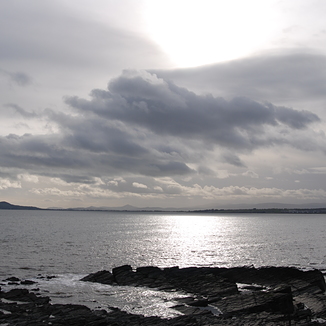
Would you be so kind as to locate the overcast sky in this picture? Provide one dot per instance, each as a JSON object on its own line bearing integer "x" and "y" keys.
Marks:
{"x": 179, "y": 103}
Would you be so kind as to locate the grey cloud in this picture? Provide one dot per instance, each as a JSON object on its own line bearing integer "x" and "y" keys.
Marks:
{"x": 283, "y": 76}
{"x": 204, "y": 170}
{"x": 81, "y": 179}
{"x": 293, "y": 118}
{"x": 165, "y": 109}
{"x": 143, "y": 125}
{"x": 18, "y": 77}
{"x": 135, "y": 86}
{"x": 166, "y": 168}
{"x": 39, "y": 32}
{"x": 233, "y": 159}
{"x": 85, "y": 145}
{"x": 22, "y": 111}
{"x": 96, "y": 136}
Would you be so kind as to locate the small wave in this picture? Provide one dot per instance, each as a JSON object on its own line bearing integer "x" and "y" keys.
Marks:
{"x": 28, "y": 268}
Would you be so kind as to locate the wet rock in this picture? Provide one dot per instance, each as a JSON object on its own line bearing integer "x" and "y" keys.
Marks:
{"x": 273, "y": 276}
{"x": 194, "y": 302}
{"x": 12, "y": 279}
{"x": 13, "y": 283}
{"x": 275, "y": 291}
{"x": 32, "y": 313}
{"x": 255, "y": 302}
{"x": 27, "y": 282}
{"x": 193, "y": 280}
{"x": 23, "y": 295}
{"x": 121, "y": 269}
{"x": 104, "y": 277}
{"x": 149, "y": 271}
{"x": 123, "y": 275}
{"x": 200, "y": 281}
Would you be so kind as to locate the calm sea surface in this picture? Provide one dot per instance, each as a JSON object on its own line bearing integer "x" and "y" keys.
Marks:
{"x": 70, "y": 245}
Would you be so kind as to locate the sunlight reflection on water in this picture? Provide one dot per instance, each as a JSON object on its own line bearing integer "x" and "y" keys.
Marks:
{"x": 72, "y": 244}
{"x": 57, "y": 242}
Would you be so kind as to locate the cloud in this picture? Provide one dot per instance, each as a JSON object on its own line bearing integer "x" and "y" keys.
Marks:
{"x": 169, "y": 190}
{"x": 29, "y": 178}
{"x": 294, "y": 118}
{"x": 162, "y": 108}
{"x": 24, "y": 113}
{"x": 251, "y": 174}
{"x": 55, "y": 35}
{"x": 139, "y": 185}
{"x": 18, "y": 77}
{"x": 7, "y": 183}
{"x": 283, "y": 76}
{"x": 233, "y": 159}
{"x": 146, "y": 127}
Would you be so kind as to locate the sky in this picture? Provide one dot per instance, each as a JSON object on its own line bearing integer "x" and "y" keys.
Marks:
{"x": 161, "y": 103}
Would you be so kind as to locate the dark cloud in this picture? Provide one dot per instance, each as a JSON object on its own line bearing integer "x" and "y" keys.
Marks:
{"x": 86, "y": 146}
{"x": 293, "y": 118}
{"x": 161, "y": 107}
{"x": 82, "y": 179}
{"x": 144, "y": 125}
{"x": 233, "y": 159}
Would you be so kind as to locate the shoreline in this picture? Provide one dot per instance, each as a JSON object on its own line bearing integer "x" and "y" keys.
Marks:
{"x": 240, "y": 295}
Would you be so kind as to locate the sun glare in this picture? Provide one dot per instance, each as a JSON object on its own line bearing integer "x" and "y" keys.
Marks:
{"x": 194, "y": 33}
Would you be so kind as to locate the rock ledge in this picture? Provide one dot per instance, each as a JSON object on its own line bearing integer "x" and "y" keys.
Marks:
{"x": 241, "y": 296}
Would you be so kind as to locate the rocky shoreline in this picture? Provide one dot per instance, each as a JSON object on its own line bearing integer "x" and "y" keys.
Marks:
{"x": 215, "y": 296}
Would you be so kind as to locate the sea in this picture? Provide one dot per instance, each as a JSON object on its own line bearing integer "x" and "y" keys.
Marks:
{"x": 57, "y": 248}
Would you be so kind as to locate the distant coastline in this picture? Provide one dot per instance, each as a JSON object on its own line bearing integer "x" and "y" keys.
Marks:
{"x": 6, "y": 205}
{"x": 322, "y": 210}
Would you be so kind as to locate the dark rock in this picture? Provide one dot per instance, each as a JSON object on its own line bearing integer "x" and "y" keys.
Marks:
{"x": 36, "y": 314}
{"x": 201, "y": 281}
{"x": 256, "y": 302}
{"x": 104, "y": 277}
{"x": 123, "y": 275}
{"x": 217, "y": 287}
{"x": 12, "y": 279}
{"x": 27, "y": 282}
{"x": 121, "y": 269}
{"x": 193, "y": 280}
{"x": 273, "y": 276}
{"x": 194, "y": 302}
{"x": 14, "y": 293}
{"x": 252, "y": 287}
{"x": 23, "y": 295}
{"x": 149, "y": 271}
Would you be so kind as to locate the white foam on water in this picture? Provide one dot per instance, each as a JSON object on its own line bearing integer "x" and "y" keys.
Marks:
{"x": 68, "y": 289}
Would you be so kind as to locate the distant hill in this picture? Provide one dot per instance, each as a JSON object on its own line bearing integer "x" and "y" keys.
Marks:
{"x": 5, "y": 205}
{"x": 275, "y": 205}
{"x": 124, "y": 208}
{"x": 129, "y": 208}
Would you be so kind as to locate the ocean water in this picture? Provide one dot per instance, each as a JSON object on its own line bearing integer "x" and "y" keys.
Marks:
{"x": 70, "y": 245}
